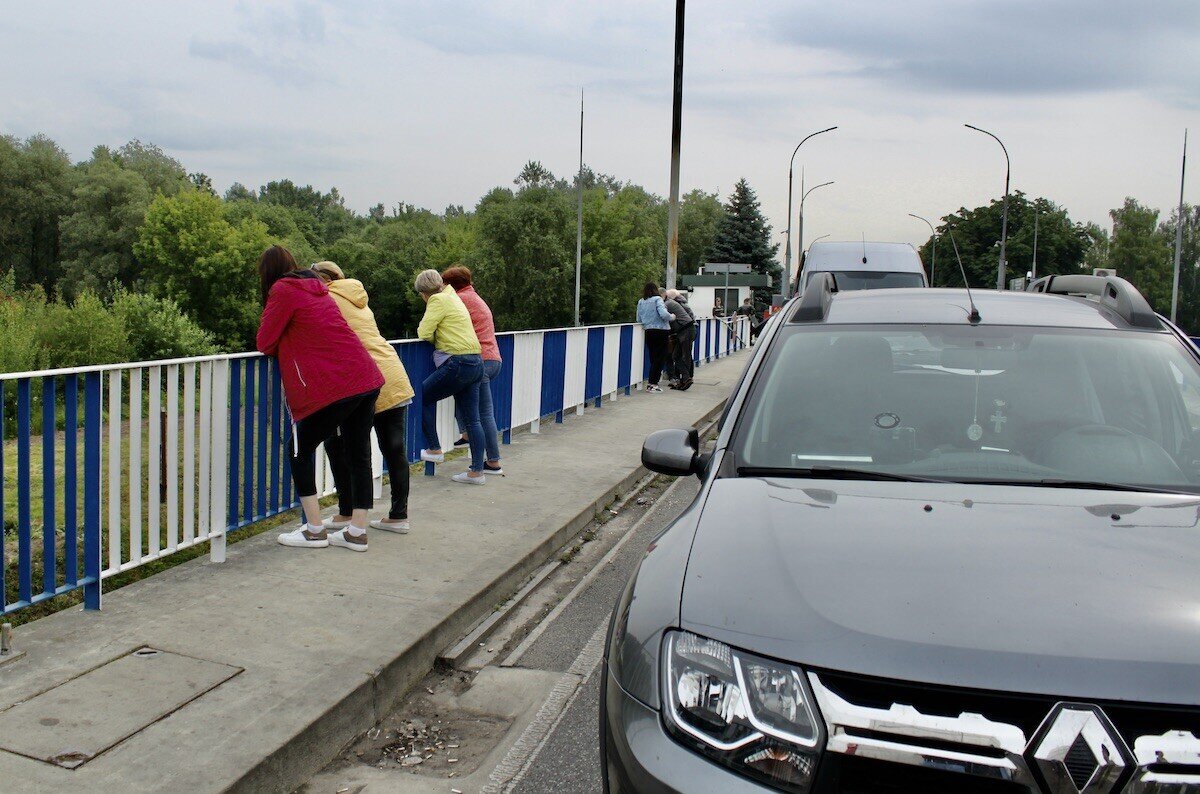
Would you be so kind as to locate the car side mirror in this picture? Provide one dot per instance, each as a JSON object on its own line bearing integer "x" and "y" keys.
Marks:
{"x": 674, "y": 452}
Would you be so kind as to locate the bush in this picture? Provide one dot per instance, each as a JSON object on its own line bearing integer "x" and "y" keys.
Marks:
{"x": 82, "y": 333}
{"x": 157, "y": 328}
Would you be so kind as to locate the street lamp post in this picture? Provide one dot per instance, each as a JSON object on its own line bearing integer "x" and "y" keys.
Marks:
{"x": 800, "y": 230}
{"x": 933, "y": 247}
{"x": 1004, "y": 218}
{"x": 785, "y": 288}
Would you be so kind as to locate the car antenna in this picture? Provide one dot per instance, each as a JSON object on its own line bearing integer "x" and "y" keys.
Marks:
{"x": 973, "y": 317}
{"x": 864, "y": 239}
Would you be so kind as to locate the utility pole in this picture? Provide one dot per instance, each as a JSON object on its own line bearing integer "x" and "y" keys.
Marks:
{"x": 1179, "y": 231}
{"x": 579, "y": 216}
{"x": 676, "y": 122}
{"x": 800, "y": 231}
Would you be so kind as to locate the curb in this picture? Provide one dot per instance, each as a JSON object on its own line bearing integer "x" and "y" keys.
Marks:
{"x": 309, "y": 751}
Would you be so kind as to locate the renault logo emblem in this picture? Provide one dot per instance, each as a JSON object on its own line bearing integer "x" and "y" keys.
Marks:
{"x": 1077, "y": 751}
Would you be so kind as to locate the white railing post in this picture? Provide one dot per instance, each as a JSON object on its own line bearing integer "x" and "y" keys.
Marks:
{"x": 219, "y": 481}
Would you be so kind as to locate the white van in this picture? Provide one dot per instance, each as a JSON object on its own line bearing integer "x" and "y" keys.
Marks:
{"x": 864, "y": 265}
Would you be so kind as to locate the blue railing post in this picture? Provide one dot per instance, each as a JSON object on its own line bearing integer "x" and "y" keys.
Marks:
{"x": 70, "y": 480}
{"x": 91, "y": 491}
{"x": 49, "y": 508}
{"x": 235, "y": 405}
{"x": 24, "y": 522}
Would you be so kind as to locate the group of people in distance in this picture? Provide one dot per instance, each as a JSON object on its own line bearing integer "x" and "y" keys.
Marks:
{"x": 670, "y": 330}
{"x": 341, "y": 378}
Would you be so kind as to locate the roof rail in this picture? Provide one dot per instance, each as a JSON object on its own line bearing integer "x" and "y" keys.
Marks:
{"x": 815, "y": 300}
{"x": 1113, "y": 292}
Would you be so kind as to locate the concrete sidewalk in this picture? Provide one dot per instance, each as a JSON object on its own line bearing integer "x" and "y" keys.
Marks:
{"x": 308, "y": 648}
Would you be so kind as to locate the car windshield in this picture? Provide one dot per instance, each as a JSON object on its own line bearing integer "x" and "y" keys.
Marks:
{"x": 1057, "y": 407}
{"x": 867, "y": 279}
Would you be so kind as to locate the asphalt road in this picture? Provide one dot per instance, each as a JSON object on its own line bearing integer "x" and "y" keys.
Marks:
{"x": 568, "y": 758}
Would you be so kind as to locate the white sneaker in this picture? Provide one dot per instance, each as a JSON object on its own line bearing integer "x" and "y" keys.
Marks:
{"x": 344, "y": 539}
{"x": 330, "y": 524}
{"x": 653, "y": 389}
{"x": 302, "y": 538}
{"x": 465, "y": 477}
{"x": 400, "y": 528}
{"x": 429, "y": 457}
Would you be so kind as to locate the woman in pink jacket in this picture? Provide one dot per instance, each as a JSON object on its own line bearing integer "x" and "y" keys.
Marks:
{"x": 459, "y": 277}
{"x": 330, "y": 383}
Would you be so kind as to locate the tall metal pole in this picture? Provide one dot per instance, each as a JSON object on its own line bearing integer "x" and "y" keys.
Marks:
{"x": 933, "y": 245}
{"x": 1000, "y": 274}
{"x": 1179, "y": 231}
{"x": 785, "y": 287}
{"x": 676, "y": 120}
{"x": 800, "y": 232}
{"x": 1036, "y": 216}
{"x": 579, "y": 215}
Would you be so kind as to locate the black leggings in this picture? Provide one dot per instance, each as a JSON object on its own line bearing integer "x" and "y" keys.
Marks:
{"x": 351, "y": 419}
{"x": 656, "y": 345}
{"x": 390, "y": 427}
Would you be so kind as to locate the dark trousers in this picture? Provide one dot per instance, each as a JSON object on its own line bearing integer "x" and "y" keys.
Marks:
{"x": 390, "y": 426}
{"x": 487, "y": 413}
{"x": 351, "y": 420}
{"x": 656, "y": 347}
{"x": 684, "y": 365}
{"x": 456, "y": 378}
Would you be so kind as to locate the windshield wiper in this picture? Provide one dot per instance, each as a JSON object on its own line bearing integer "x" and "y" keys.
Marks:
{"x": 1100, "y": 485}
{"x": 830, "y": 473}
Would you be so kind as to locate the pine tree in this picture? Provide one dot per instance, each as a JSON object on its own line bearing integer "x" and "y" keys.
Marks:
{"x": 744, "y": 236}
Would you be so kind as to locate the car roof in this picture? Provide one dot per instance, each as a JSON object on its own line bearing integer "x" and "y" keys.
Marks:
{"x": 951, "y": 306}
{"x": 881, "y": 257}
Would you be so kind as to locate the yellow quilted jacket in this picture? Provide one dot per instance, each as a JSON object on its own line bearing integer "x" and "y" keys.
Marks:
{"x": 351, "y": 298}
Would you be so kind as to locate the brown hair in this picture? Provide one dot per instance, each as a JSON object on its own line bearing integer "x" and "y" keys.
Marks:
{"x": 650, "y": 290}
{"x": 457, "y": 276}
{"x": 275, "y": 262}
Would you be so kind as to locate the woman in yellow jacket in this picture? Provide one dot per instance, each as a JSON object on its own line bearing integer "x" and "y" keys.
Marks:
{"x": 391, "y": 407}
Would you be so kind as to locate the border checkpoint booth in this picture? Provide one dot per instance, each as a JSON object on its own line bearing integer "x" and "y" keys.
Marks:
{"x": 732, "y": 282}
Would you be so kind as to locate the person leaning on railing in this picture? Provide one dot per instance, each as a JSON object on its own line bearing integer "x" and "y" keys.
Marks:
{"x": 458, "y": 369}
{"x": 656, "y": 326}
{"x": 391, "y": 406}
{"x": 459, "y": 277}
{"x": 330, "y": 384}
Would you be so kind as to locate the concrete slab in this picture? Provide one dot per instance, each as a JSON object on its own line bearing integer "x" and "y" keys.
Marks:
{"x": 329, "y": 640}
{"x": 72, "y": 723}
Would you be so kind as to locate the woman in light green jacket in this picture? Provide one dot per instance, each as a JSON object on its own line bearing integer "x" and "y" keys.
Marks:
{"x": 391, "y": 407}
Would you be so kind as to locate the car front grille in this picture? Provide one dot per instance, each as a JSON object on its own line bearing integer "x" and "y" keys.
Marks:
{"x": 887, "y": 735}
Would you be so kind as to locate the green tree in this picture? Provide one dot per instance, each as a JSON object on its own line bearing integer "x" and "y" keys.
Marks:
{"x": 744, "y": 236}
{"x": 525, "y": 263}
{"x": 700, "y": 216}
{"x": 1061, "y": 242}
{"x": 163, "y": 174}
{"x": 194, "y": 255}
{"x": 35, "y": 192}
{"x": 1189, "y": 265}
{"x": 1141, "y": 252}
{"x": 107, "y": 210}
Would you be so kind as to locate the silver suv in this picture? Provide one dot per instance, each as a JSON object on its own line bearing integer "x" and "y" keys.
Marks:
{"x": 940, "y": 546}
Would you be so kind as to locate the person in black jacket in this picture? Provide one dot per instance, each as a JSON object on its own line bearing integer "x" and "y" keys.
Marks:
{"x": 683, "y": 329}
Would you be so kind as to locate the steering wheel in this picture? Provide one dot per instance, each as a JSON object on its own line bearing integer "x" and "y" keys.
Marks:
{"x": 1108, "y": 453}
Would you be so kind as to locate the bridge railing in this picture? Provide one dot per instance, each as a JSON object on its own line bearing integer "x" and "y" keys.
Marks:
{"x": 107, "y": 468}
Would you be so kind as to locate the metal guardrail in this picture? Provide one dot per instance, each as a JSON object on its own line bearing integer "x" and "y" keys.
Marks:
{"x": 171, "y": 454}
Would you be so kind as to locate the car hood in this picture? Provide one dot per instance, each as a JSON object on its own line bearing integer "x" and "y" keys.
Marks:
{"x": 1075, "y": 593}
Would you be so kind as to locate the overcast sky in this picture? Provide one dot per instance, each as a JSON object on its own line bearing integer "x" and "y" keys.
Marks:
{"x": 434, "y": 103}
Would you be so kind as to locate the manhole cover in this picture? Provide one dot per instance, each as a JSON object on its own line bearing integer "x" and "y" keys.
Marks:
{"x": 79, "y": 719}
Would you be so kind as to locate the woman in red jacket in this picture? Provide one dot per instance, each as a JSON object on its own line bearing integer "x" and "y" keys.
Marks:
{"x": 330, "y": 382}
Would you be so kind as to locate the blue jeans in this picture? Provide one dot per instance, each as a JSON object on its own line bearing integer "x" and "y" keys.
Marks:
{"x": 487, "y": 416}
{"x": 456, "y": 378}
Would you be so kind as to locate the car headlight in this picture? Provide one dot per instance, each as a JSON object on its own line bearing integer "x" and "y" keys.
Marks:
{"x": 751, "y": 714}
